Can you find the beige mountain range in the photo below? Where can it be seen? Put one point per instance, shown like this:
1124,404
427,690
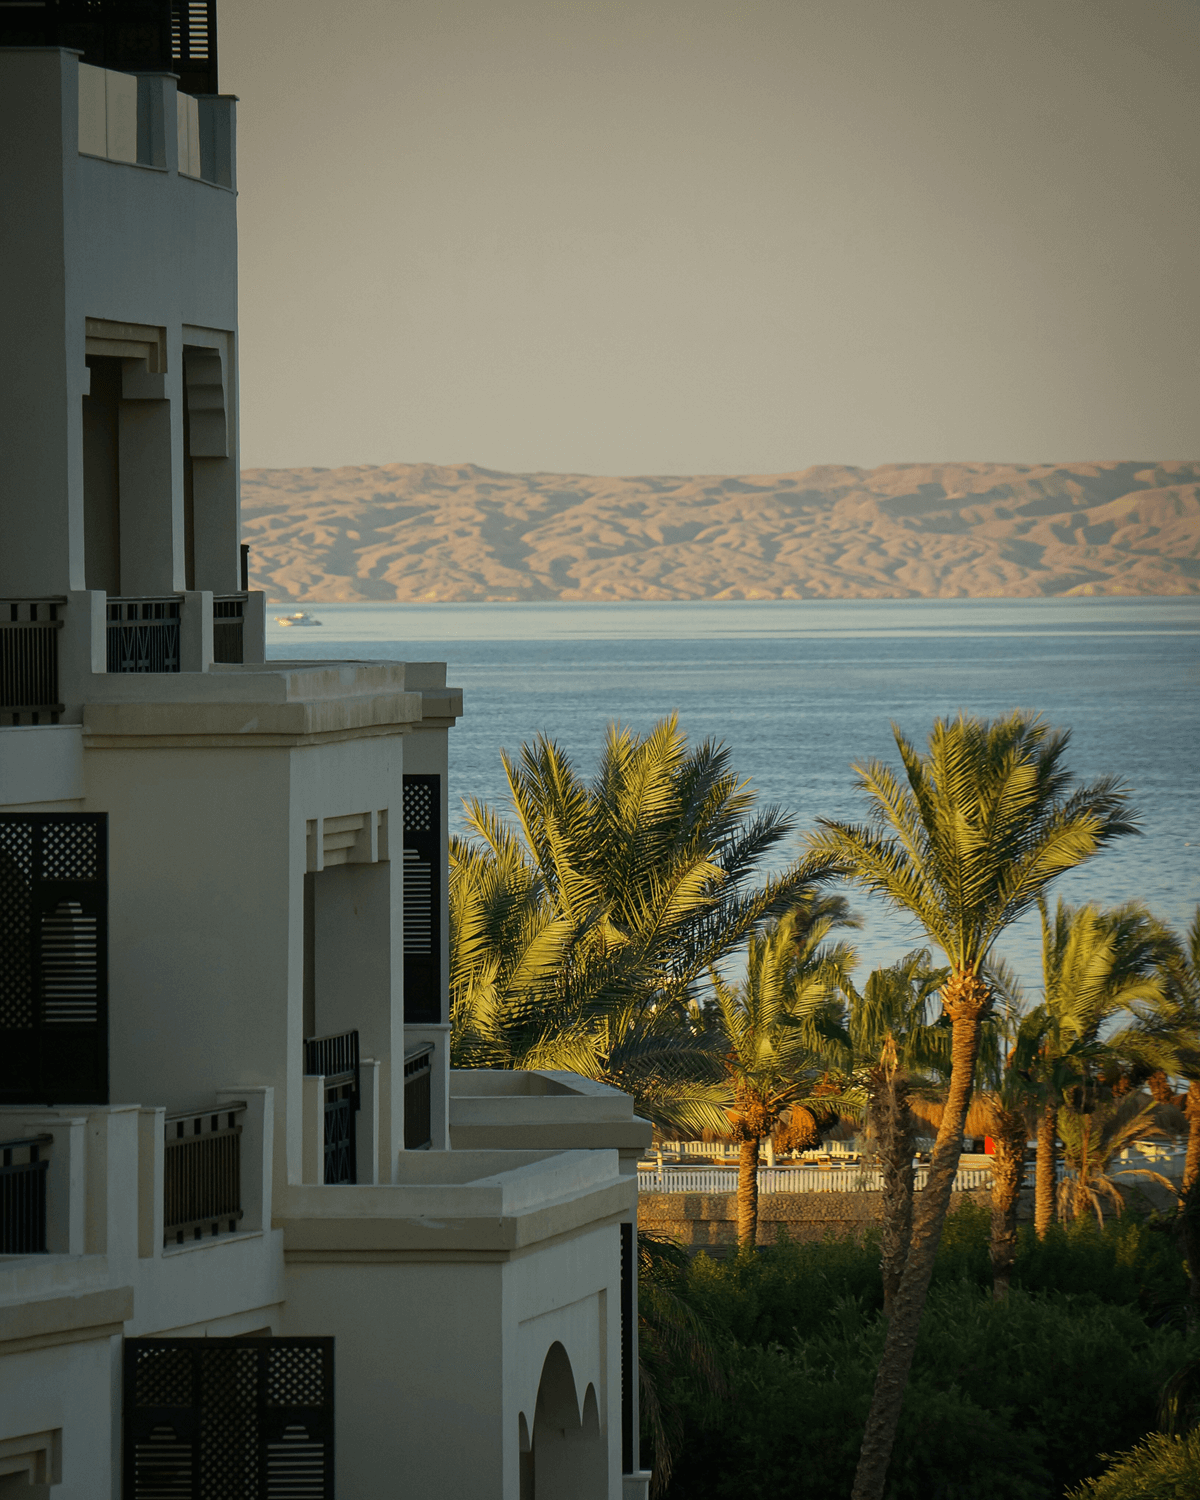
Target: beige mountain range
431,532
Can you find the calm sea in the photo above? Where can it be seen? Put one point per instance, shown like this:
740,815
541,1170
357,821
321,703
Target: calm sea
800,690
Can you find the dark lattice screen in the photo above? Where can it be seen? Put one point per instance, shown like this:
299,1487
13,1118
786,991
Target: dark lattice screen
422,899
228,1419
53,958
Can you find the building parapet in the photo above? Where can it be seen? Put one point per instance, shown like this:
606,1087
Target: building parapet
254,703
143,120
440,705
543,1110
459,1201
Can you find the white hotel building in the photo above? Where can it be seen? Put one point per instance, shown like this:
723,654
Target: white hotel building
256,1238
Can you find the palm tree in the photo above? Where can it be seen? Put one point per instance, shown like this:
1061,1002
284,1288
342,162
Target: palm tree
1182,973
1091,1139
1183,981
892,1050
776,1029
978,828
1009,1097
1006,1092
1096,965
582,938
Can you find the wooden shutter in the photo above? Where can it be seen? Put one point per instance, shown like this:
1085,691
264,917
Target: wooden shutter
422,899
53,958
248,1418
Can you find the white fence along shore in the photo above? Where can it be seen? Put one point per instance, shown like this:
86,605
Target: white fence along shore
793,1180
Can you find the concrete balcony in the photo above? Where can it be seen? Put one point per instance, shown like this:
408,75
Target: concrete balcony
494,1109
253,702
477,1306
107,1185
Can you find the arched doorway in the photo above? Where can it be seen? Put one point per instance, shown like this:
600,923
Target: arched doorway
566,1456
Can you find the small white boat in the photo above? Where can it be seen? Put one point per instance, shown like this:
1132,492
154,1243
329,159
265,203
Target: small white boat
299,618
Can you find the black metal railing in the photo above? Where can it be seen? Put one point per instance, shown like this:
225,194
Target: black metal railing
143,634
202,1174
23,1196
228,625
418,1097
335,1058
29,659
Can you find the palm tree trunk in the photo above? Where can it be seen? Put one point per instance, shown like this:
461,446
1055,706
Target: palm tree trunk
747,1197
1008,1167
894,1128
1046,1170
970,997
1189,1228
1191,1162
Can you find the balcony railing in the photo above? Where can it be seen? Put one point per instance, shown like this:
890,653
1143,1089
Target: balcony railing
202,1174
29,659
143,634
228,627
335,1058
418,1098
23,1196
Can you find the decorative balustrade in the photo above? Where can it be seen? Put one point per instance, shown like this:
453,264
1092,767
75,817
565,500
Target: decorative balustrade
333,1056
23,1196
229,628
143,634
29,659
336,1059
418,1097
202,1174
794,1180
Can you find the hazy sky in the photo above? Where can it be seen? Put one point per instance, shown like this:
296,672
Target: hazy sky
716,236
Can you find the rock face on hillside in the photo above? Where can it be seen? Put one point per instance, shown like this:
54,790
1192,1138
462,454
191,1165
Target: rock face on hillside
425,532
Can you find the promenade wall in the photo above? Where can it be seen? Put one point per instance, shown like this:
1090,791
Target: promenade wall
708,1221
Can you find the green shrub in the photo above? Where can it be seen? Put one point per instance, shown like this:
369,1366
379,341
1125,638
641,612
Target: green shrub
786,1291
793,1425
1128,1261
1012,1399
1161,1468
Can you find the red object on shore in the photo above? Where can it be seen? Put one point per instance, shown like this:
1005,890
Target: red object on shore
989,1146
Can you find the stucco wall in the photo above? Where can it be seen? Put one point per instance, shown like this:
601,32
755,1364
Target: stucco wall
708,1221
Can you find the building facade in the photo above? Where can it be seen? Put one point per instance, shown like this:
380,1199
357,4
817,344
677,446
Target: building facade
258,1237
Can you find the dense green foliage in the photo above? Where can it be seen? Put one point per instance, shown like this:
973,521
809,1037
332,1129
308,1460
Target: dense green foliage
1011,1399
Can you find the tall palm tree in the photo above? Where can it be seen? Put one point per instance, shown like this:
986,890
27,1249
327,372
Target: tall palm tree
1183,985
1182,973
896,1053
966,842
776,1029
1006,1093
1096,966
582,937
